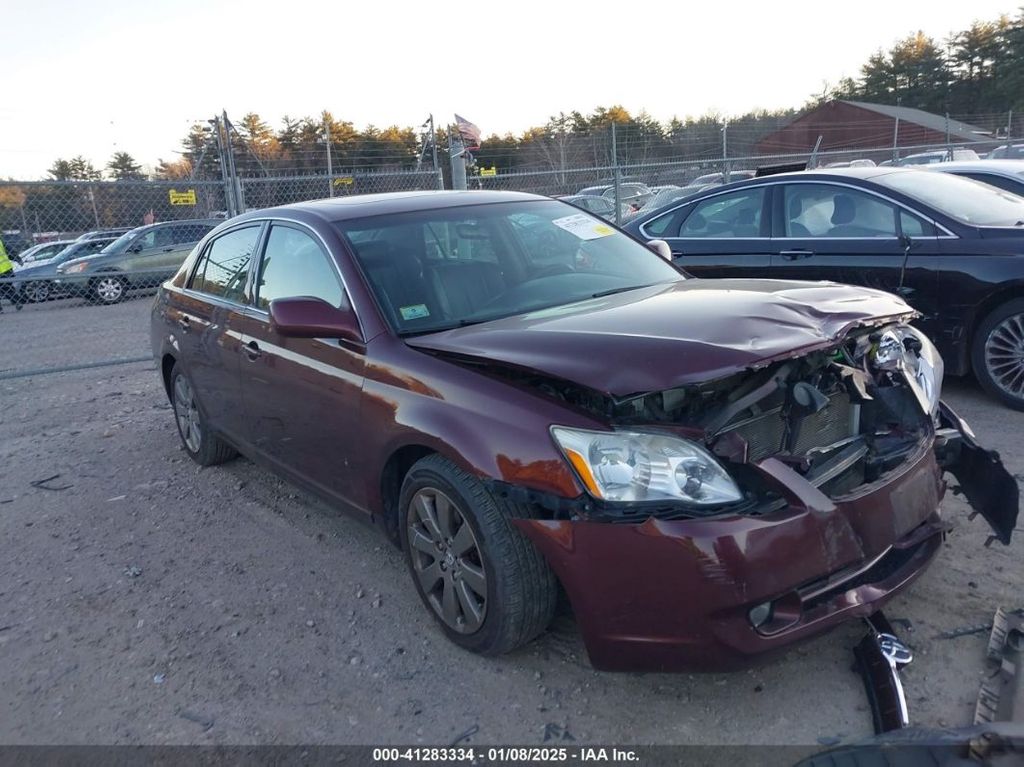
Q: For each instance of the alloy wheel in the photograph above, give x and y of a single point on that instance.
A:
(1004, 355)
(109, 289)
(447, 560)
(187, 413)
(37, 291)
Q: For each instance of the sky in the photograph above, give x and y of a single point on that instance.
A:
(98, 76)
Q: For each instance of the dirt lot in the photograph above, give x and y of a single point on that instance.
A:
(145, 600)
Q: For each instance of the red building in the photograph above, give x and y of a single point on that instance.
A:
(859, 125)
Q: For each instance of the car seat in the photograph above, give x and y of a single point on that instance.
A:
(464, 287)
(796, 229)
(398, 279)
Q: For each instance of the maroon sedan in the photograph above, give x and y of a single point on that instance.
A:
(526, 399)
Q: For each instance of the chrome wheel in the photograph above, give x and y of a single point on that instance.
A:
(187, 414)
(109, 289)
(1004, 355)
(446, 560)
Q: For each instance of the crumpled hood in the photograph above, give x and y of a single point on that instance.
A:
(665, 336)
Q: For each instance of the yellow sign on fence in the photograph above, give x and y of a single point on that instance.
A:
(344, 181)
(188, 197)
(492, 171)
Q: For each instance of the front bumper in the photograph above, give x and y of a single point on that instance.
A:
(677, 595)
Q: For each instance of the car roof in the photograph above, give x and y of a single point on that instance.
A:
(388, 203)
(1002, 167)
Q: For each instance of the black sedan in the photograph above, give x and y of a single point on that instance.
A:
(952, 247)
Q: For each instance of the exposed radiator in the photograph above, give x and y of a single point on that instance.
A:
(765, 433)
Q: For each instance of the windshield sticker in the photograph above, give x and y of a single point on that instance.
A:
(583, 226)
(415, 312)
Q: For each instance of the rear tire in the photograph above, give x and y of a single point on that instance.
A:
(997, 353)
(487, 586)
(35, 292)
(202, 445)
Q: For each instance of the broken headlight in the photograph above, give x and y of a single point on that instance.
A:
(908, 350)
(624, 466)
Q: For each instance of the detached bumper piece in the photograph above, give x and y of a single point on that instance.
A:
(990, 489)
(879, 657)
(1001, 697)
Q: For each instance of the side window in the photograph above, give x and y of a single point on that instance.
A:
(144, 241)
(736, 214)
(224, 265)
(1000, 182)
(824, 210)
(665, 225)
(912, 226)
(295, 265)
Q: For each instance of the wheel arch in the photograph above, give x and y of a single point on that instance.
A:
(167, 363)
(991, 302)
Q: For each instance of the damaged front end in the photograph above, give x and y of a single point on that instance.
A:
(760, 509)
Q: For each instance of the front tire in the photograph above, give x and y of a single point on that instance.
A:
(997, 353)
(486, 585)
(202, 445)
(108, 289)
(36, 292)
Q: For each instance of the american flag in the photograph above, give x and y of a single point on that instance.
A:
(469, 132)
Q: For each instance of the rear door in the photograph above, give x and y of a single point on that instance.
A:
(207, 317)
(301, 394)
(846, 234)
(723, 235)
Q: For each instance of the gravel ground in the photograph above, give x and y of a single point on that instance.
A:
(144, 600)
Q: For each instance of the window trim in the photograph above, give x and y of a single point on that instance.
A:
(257, 262)
(187, 288)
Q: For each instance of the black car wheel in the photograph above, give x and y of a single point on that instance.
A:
(998, 353)
(482, 580)
(108, 289)
(203, 446)
(34, 292)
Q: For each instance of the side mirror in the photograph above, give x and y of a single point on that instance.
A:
(313, 318)
(661, 248)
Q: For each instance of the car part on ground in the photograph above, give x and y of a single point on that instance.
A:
(1001, 696)
(581, 410)
(879, 657)
(995, 745)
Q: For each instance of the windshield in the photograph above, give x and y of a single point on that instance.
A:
(118, 245)
(962, 199)
(439, 269)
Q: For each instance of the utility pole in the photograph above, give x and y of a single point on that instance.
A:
(725, 151)
(1009, 132)
(433, 153)
(949, 149)
(236, 185)
(457, 153)
(330, 168)
(618, 177)
(229, 192)
(896, 142)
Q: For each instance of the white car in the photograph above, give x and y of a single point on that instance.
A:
(1005, 174)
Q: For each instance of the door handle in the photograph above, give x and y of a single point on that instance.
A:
(184, 323)
(252, 350)
(794, 255)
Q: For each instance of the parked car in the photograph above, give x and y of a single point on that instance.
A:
(1006, 152)
(711, 179)
(859, 163)
(36, 280)
(631, 193)
(1008, 175)
(672, 451)
(941, 155)
(103, 234)
(664, 197)
(141, 258)
(592, 203)
(43, 252)
(954, 248)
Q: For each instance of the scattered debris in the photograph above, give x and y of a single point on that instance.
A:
(377, 601)
(1001, 697)
(43, 484)
(878, 658)
(116, 498)
(359, 592)
(465, 736)
(553, 731)
(310, 624)
(132, 571)
(201, 719)
(159, 678)
(977, 628)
